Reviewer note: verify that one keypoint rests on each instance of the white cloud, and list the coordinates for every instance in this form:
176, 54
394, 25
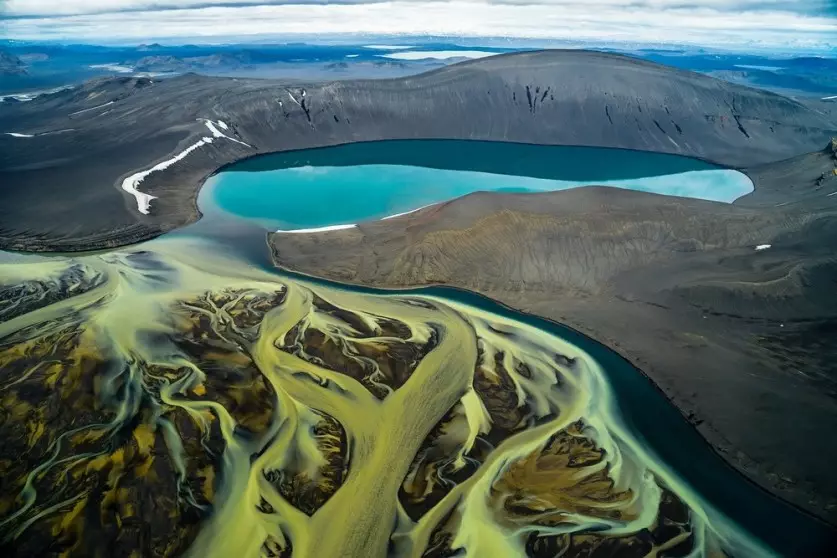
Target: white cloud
77, 7
709, 22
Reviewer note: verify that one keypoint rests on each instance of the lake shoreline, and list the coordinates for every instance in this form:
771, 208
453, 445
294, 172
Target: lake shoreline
193, 214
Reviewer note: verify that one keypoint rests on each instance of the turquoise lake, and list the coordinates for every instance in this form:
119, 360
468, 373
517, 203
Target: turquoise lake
368, 181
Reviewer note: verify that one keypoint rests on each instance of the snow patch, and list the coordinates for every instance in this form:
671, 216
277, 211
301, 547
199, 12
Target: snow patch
216, 133
223, 125
761, 247
352, 55
119, 68
437, 54
131, 183
49, 133
829, 98
320, 229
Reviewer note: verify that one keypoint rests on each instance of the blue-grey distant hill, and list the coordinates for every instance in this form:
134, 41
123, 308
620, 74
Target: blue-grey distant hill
44, 65
11, 65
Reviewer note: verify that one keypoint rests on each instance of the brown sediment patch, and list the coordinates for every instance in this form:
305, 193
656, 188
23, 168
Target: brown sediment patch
377, 351
109, 482
309, 490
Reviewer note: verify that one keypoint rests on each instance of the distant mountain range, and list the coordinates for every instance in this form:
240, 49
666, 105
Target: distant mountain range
11, 65
152, 46
35, 66
168, 63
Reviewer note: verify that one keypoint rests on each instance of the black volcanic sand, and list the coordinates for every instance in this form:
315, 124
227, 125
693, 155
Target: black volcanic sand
61, 188
742, 340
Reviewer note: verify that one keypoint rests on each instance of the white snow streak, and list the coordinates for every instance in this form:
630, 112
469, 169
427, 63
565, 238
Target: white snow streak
348, 225
437, 54
51, 132
406, 212
293, 98
320, 229
763, 247
131, 183
91, 108
144, 200
61, 131
216, 133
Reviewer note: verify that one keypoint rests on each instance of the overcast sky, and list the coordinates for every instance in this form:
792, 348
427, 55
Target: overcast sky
725, 23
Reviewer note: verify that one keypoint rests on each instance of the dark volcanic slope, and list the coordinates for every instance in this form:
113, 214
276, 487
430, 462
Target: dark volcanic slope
744, 341
60, 189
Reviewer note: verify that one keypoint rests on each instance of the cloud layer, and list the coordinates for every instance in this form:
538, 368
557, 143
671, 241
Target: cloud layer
754, 23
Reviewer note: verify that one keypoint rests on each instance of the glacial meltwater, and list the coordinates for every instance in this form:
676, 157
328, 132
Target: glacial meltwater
182, 396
